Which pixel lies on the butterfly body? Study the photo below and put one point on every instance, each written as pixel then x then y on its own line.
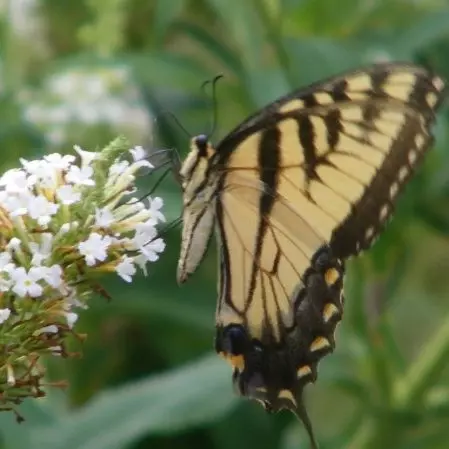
pixel 292 192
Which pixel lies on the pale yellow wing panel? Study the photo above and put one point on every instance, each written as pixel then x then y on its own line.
pixel 262 274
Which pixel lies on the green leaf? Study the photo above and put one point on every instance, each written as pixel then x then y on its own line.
pixel 248 426
pixel 193 395
pixel 265 86
pixel 352 387
pixel 421 34
pixel 294 437
pixel 165 13
pixel 435 439
pixel 172 70
pixel 213 45
pixel 36 412
pixel 317 57
pixel 240 21
pixel 150 299
pixel 425 370
pixel 321 17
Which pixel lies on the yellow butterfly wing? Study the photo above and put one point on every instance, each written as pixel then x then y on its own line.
pixel 295 190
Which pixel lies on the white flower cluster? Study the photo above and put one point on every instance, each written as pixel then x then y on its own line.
pixel 54 215
pixel 23 17
pixel 87 96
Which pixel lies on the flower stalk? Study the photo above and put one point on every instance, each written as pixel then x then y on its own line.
pixel 65 221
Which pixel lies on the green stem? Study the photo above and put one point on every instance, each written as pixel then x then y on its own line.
pixel 366 433
pixel 421 376
pixel 411 388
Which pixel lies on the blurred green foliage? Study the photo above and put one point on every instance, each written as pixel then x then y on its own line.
pixel 148 377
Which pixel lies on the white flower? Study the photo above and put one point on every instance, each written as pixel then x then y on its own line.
pixel 15 181
pixel 82 176
pixel 67 195
pixel 126 269
pixel 41 251
pixel 51 329
pixel 5 259
pixel 155 206
pixel 4 315
pixel 133 208
pixel 41 209
pixel 117 168
pixel 40 172
pixel 66 227
pixel 16 205
pixel 148 226
pixel 27 283
pixel 10 378
pixel 148 245
pixel 103 217
pixel 86 156
pixel 141 261
pixel 60 162
pixel 5 284
pixel 95 248
pixel 14 244
pixel 140 239
pixel 52 275
pixel 138 153
pixel 152 249
pixel 62 83
pixel 71 318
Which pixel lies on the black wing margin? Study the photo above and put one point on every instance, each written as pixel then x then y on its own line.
pixel 307 182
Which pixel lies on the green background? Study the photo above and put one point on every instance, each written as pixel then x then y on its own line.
pixel 148 377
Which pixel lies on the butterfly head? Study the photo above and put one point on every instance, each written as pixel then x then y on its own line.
pixel 198 180
pixel 201 143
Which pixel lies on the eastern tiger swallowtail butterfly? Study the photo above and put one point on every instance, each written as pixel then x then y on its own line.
pixel 292 192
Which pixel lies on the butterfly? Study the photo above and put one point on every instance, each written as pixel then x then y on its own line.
pixel 292 193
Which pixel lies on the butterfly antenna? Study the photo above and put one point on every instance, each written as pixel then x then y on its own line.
pixel 175 119
pixel 159 153
pixel 173 162
pixel 165 229
pixel 173 224
pixel 214 104
pixel 203 87
pixel 158 182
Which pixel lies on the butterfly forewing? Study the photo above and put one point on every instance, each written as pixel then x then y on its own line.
pixel 349 144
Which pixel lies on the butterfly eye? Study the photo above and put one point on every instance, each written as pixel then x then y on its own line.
pixel 201 142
